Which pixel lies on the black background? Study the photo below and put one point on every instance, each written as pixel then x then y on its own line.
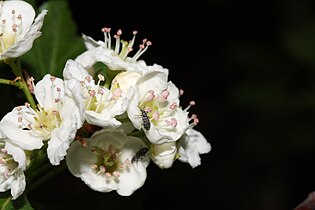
pixel 250 67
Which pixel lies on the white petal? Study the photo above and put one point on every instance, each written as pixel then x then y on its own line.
pixel 22 138
pixel 132 179
pixel 163 155
pixel 20 7
pixel 80 159
pixel 18 186
pixel 156 81
pixel 192 144
pixel 98 119
pixel 87 59
pixel 26 42
pixel 74 70
pixel 90 43
pixel 17 154
pixel 46 91
pixel 60 142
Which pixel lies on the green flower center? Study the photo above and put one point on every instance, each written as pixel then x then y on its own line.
pixel 108 161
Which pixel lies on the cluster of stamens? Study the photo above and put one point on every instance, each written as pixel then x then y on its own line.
pixel 150 105
pixel 43 120
pixel 193 119
pixel 97 99
pixel 108 161
pixel 9 34
pixel 122 48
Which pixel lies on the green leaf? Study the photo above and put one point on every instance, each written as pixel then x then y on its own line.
pixel 58 43
pixel 6 203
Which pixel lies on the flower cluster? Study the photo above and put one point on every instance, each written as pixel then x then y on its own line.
pixel 107 125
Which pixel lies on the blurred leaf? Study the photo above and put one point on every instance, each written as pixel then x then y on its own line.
pixel 7 203
pixel 58 43
pixel 299 42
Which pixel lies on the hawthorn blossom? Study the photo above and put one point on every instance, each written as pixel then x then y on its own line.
pixel 18 29
pixel 191 145
pixel 109 161
pixel 118 58
pixel 155 109
pixel 56 120
pixel 13 162
pixel 99 104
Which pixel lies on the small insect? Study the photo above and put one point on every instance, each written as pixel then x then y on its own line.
pixel 141 153
pixel 145 120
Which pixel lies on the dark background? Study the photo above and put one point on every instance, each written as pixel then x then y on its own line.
pixel 250 67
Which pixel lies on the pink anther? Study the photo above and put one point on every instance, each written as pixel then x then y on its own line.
pixel 172 122
pixel 156 115
pixel 173 106
pixel 88 79
pixel 119 32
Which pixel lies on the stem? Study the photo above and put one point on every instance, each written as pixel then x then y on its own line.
pixel 7 82
pixel 6 203
pixel 22 85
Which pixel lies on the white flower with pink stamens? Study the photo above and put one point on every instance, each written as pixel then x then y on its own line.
pixel 99 104
pixel 117 58
pixel 155 109
pixel 13 162
pixel 191 145
pixel 18 29
pixel 55 120
pixel 110 162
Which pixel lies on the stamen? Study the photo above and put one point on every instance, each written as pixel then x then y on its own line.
pixel 172 122
pixel 107 37
pixel 17 79
pixel 117 37
pixel 150 96
pixel 173 106
pixel 181 92
pixel 30 84
pixel 93 166
pixel 191 103
pixel 116 174
pixel 142 48
pixel 164 95
pixel 156 115
pixel 88 79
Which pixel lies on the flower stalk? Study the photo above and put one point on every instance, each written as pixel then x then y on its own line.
pixel 20 83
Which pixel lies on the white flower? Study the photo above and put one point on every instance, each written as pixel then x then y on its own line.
pixel 154 108
pixel 56 120
pixel 112 161
pixel 17 29
pixel 13 163
pixel 163 155
pixel 117 58
pixel 100 104
pixel 191 145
